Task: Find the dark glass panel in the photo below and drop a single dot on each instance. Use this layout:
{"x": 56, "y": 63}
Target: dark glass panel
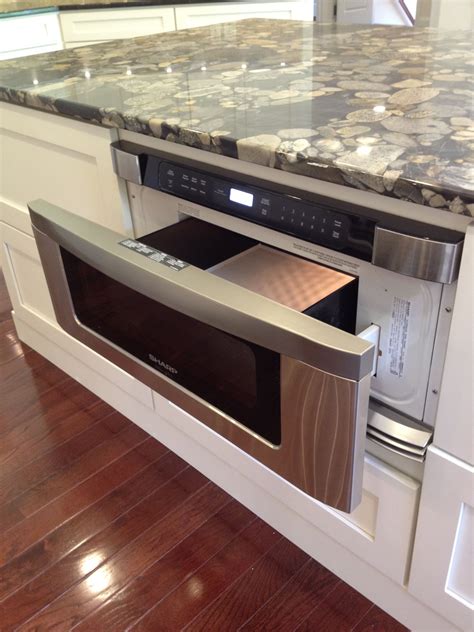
{"x": 235, "y": 376}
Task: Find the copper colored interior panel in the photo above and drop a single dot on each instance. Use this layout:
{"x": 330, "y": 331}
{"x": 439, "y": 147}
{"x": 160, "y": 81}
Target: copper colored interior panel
{"x": 294, "y": 282}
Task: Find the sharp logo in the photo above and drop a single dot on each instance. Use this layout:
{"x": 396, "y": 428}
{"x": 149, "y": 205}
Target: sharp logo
{"x": 162, "y": 364}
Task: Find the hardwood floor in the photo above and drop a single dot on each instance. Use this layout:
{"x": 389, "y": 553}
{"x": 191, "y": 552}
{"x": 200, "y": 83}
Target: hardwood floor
{"x": 104, "y": 529}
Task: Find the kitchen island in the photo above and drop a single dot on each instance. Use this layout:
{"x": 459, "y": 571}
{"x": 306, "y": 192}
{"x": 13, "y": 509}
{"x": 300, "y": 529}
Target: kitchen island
{"x": 340, "y": 112}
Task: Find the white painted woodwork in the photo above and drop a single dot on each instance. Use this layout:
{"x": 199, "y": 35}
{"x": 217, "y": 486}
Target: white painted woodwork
{"x": 109, "y": 24}
{"x": 63, "y": 161}
{"x": 325, "y": 10}
{"x": 454, "y": 431}
{"x": 24, "y": 274}
{"x": 190, "y": 16}
{"x": 355, "y": 11}
{"x": 452, "y": 14}
{"x": 29, "y": 34}
{"x": 79, "y": 44}
{"x": 442, "y": 572}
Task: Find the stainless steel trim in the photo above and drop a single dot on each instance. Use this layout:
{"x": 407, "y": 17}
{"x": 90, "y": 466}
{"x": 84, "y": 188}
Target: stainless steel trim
{"x": 126, "y": 165}
{"x": 323, "y": 416}
{"x": 400, "y": 452}
{"x": 208, "y": 298}
{"x": 400, "y": 435}
{"x": 416, "y": 257}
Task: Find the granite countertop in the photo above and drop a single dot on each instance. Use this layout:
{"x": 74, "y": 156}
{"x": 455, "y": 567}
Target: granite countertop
{"x": 10, "y": 8}
{"x": 384, "y": 109}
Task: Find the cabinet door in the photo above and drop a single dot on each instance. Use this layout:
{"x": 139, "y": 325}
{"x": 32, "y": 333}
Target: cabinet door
{"x": 354, "y": 11}
{"x": 442, "y": 573}
{"x": 107, "y": 24}
{"x": 202, "y": 15}
{"x": 454, "y": 432}
{"x": 28, "y": 35}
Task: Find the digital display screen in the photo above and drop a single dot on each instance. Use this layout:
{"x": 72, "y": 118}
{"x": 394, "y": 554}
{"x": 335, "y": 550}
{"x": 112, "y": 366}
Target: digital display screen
{"x": 241, "y": 197}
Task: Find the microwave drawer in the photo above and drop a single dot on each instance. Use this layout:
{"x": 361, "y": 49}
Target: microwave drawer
{"x": 229, "y": 330}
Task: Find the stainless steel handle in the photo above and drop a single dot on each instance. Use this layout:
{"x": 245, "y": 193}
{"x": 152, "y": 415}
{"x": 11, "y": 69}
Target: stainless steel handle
{"x": 391, "y": 431}
{"x": 126, "y": 165}
{"x": 208, "y": 298}
{"x": 416, "y": 257}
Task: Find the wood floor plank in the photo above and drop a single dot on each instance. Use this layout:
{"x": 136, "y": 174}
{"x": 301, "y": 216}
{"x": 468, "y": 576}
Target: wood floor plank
{"x": 178, "y": 482}
{"x": 135, "y": 599}
{"x": 294, "y": 601}
{"x": 37, "y": 436}
{"x": 13, "y": 373}
{"x": 26, "y": 390}
{"x": 10, "y": 346}
{"x": 109, "y": 447}
{"x": 63, "y": 480}
{"x": 204, "y": 587}
{"x": 77, "y": 603}
{"x": 5, "y": 303}
{"x": 241, "y": 600}
{"x": 75, "y": 531}
{"x": 341, "y": 610}
{"x": 57, "y": 411}
{"x": 13, "y": 484}
{"x": 26, "y": 533}
{"x": 376, "y": 620}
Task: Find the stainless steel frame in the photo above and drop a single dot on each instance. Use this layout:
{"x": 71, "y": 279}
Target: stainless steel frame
{"x": 416, "y": 257}
{"x": 325, "y": 373}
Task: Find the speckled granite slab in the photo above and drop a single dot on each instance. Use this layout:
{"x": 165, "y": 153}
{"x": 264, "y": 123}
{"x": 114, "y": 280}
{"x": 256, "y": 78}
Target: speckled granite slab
{"x": 388, "y": 109}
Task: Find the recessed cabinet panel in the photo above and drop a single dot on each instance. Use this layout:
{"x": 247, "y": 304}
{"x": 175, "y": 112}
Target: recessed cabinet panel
{"x": 28, "y": 33}
{"x": 204, "y": 15}
{"x": 24, "y": 274}
{"x": 442, "y": 572}
{"x": 107, "y": 24}
{"x": 460, "y": 582}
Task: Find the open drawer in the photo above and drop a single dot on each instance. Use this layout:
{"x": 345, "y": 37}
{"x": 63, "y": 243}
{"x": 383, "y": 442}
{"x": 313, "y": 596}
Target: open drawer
{"x": 231, "y": 332}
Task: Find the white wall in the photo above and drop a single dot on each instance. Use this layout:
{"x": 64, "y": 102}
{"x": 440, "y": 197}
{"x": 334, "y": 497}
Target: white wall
{"x": 447, "y": 14}
{"x": 389, "y": 12}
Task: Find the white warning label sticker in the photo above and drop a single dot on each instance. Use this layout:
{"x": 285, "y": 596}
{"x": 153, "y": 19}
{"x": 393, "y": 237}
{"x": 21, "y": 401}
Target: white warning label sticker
{"x": 329, "y": 259}
{"x": 398, "y": 340}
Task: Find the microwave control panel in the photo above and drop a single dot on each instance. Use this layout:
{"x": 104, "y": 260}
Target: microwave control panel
{"x": 307, "y": 220}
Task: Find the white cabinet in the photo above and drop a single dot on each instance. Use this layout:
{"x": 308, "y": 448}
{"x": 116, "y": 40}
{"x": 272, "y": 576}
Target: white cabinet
{"x": 88, "y": 27}
{"x": 454, "y": 431}
{"x": 442, "y": 573}
{"x": 201, "y": 15}
{"x": 29, "y": 35}
{"x": 373, "y": 12}
{"x": 68, "y": 163}
{"x": 60, "y": 160}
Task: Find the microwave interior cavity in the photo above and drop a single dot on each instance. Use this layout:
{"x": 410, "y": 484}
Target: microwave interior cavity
{"x": 238, "y": 377}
